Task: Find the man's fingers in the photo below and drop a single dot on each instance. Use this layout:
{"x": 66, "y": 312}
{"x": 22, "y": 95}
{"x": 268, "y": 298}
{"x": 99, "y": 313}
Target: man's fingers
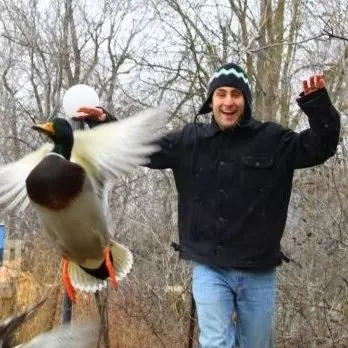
{"x": 320, "y": 81}
{"x": 313, "y": 83}
{"x": 90, "y": 110}
{"x": 90, "y": 113}
{"x": 305, "y": 86}
{"x": 81, "y": 114}
{"x": 312, "y": 80}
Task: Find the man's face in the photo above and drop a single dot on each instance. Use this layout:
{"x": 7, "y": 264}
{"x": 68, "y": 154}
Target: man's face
{"x": 228, "y": 106}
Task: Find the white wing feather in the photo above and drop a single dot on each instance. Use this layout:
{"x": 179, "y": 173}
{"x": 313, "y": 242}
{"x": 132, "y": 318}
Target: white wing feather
{"x": 107, "y": 151}
{"x": 82, "y": 335}
{"x": 116, "y": 148}
{"x": 13, "y": 175}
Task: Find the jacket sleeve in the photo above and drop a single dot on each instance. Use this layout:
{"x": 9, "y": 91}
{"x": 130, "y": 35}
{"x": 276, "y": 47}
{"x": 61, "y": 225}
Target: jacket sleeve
{"x": 168, "y": 154}
{"x": 319, "y": 142}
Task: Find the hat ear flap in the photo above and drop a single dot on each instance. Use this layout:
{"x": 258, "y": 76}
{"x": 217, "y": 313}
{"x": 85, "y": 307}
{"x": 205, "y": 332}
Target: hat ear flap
{"x": 207, "y": 105}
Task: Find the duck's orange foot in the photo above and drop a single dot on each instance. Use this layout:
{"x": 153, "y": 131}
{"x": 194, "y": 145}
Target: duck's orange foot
{"x": 67, "y": 282}
{"x": 110, "y": 266}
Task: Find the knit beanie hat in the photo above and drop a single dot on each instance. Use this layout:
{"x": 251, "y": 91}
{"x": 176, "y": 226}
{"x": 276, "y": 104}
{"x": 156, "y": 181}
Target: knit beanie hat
{"x": 228, "y": 75}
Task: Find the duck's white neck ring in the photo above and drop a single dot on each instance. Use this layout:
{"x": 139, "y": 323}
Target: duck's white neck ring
{"x": 55, "y": 154}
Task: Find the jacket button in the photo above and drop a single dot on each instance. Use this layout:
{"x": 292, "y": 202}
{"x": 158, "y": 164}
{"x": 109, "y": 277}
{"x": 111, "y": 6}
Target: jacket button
{"x": 222, "y": 220}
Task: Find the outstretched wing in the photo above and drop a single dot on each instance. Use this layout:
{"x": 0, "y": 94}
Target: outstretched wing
{"x": 10, "y": 325}
{"x": 13, "y": 191}
{"x": 105, "y": 152}
{"x": 116, "y": 148}
{"x": 76, "y": 335}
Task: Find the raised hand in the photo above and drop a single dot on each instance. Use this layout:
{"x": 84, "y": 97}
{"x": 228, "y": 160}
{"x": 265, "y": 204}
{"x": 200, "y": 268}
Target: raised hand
{"x": 90, "y": 113}
{"x": 313, "y": 83}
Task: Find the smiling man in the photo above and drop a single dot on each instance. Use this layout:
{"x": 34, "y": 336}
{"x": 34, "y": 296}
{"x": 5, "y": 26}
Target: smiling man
{"x": 228, "y": 106}
{"x": 234, "y": 180}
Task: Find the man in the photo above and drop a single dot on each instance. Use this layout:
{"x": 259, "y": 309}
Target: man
{"x": 234, "y": 179}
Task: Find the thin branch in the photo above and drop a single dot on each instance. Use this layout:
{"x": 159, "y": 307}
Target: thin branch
{"x": 328, "y": 30}
{"x": 284, "y": 43}
{"x": 19, "y": 139}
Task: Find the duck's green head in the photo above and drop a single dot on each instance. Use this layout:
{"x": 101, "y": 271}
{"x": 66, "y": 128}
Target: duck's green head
{"x": 61, "y": 133}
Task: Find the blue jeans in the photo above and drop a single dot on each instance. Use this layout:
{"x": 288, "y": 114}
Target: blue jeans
{"x": 235, "y": 308}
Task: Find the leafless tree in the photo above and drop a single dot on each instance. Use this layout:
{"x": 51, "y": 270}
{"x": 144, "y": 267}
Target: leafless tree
{"x": 162, "y": 52}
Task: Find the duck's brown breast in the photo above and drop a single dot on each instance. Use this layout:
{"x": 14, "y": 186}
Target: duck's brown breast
{"x": 55, "y": 182}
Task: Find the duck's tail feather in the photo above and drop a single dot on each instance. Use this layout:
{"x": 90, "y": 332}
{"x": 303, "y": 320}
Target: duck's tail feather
{"x": 122, "y": 260}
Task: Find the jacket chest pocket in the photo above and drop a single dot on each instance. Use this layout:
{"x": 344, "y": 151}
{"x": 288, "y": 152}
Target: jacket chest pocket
{"x": 256, "y": 170}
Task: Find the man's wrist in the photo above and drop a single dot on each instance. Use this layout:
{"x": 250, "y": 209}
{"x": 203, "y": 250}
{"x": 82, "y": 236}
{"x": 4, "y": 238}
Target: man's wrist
{"x": 102, "y": 117}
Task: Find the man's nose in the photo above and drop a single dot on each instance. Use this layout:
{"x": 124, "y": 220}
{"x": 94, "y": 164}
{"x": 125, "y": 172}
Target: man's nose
{"x": 229, "y": 100}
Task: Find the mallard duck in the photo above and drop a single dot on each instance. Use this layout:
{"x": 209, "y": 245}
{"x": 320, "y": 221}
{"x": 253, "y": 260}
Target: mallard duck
{"x": 80, "y": 335}
{"x": 61, "y": 181}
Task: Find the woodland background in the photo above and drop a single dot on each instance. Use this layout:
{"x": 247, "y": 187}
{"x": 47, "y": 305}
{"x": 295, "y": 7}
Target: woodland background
{"x": 140, "y": 53}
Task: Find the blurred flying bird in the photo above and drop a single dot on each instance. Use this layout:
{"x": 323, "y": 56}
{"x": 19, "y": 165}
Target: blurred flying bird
{"x": 82, "y": 335}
